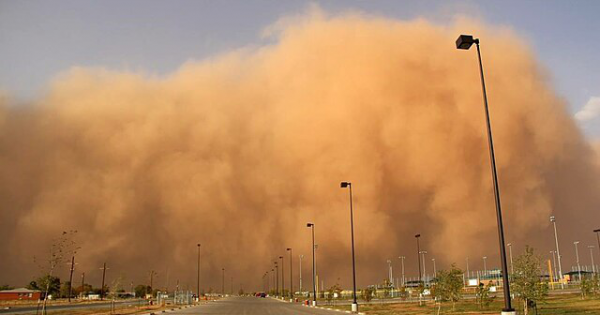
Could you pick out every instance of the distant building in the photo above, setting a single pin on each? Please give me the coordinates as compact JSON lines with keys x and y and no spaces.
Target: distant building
{"x":20,"y":294}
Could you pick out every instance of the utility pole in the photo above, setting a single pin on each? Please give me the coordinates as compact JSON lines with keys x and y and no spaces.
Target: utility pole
{"x":103,"y":278}
{"x":82,"y":284}
{"x":71,"y":277}
{"x":152,"y":273}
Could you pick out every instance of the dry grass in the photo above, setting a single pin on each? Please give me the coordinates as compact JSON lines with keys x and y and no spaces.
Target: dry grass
{"x":554,"y":305}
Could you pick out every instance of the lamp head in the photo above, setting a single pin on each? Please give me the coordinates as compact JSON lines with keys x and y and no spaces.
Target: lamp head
{"x":198,"y":245}
{"x":288,"y":248}
{"x":596,"y":230}
{"x":418,"y":235}
{"x":552,"y":218}
{"x":280,"y":257}
{"x":310,"y":224}
{"x":345,"y":184}
{"x":465,"y":42}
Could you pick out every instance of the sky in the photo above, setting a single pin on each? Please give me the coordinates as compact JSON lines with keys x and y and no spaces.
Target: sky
{"x":40,"y":39}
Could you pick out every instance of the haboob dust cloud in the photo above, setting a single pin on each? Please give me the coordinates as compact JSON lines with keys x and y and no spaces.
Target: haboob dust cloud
{"x":239,"y":151}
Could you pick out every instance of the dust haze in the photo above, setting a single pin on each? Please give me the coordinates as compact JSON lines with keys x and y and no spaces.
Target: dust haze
{"x":237,"y":152}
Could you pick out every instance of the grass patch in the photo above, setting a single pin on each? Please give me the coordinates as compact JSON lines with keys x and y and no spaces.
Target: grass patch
{"x":554,"y":305}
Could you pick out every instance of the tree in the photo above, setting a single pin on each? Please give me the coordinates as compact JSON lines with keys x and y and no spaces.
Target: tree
{"x":61,"y":247}
{"x":332,"y":291}
{"x":483,"y":295}
{"x":589,"y":287}
{"x":64,"y":289}
{"x":5,"y":287}
{"x":141,"y":290}
{"x":449,"y":285}
{"x":387,"y":288}
{"x":367,"y":294}
{"x":48,"y":284}
{"x":527,"y":280}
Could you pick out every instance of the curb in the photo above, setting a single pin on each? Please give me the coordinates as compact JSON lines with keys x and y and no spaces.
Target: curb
{"x":331,"y":309}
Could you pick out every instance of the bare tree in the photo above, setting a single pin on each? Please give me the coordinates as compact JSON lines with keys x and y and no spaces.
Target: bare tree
{"x":61,"y":249}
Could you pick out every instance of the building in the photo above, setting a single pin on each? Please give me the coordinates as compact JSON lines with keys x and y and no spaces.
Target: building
{"x":20,"y":294}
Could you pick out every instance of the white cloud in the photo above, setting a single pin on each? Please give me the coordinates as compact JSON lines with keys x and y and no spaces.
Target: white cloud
{"x":590,"y":110}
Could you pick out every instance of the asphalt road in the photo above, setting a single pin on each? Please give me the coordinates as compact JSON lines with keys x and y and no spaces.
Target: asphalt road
{"x":32,"y":309}
{"x":252,"y":305}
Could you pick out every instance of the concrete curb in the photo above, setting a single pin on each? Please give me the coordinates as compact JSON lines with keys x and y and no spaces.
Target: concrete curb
{"x":331,"y":309}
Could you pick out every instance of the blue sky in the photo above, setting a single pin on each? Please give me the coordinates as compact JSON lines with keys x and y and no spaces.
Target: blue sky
{"x":39,"y":39}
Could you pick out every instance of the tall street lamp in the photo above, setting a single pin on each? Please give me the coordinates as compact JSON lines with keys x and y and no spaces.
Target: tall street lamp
{"x":223,"y":282}
{"x":591,"y":247}
{"x":576,"y":243}
{"x":560,"y":273}
{"x":300,"y":272}
{"x":402,"y":259}
{"x":465,"y":42}
{"x":423,"y":252}
{"x":597,"y":231}
{"x":419,"y":255}
{"x":553,"y":252}
{"x":289,"y":249}
{"x":485,"y":265}
{"x":390,"y":275}
{"x":198,"y":280}
{"x":434,"y":269}
{"x":512,"y":270}
{"x":312,"y":226}
{"x":354,"y":303}
{"x":282,"y":278}
{"x":277,"y":280}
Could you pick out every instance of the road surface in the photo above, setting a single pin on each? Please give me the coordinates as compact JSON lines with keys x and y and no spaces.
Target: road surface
{"x":252,"y":306}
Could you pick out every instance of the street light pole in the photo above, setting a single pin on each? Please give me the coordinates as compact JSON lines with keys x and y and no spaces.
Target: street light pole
{"x":390,"y":275}
{"x":423,"y":252}
{"x":512,"y":270}
{"x":484,"y":265}
{"x":465,"y":42}
{"x":277,"y":280}
{"x":591,"y":247}
{"x":468,"y":268}
{"x":419,"y":255}
{"x":282,"y":278}
{"x":403,"y":280}
{"x":198,"y":280}
{"x":560,"y":273}
{"x":576,"y":243}
{"x":354,"y":303}
{"x":553,"y":252}
{"x":597,"y":231}
{"x":223,"y":283}
{"x":434,"y":269}
{"x":291,"y":274}
{"x":300,"y":271}
{"x":312,"y":226}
